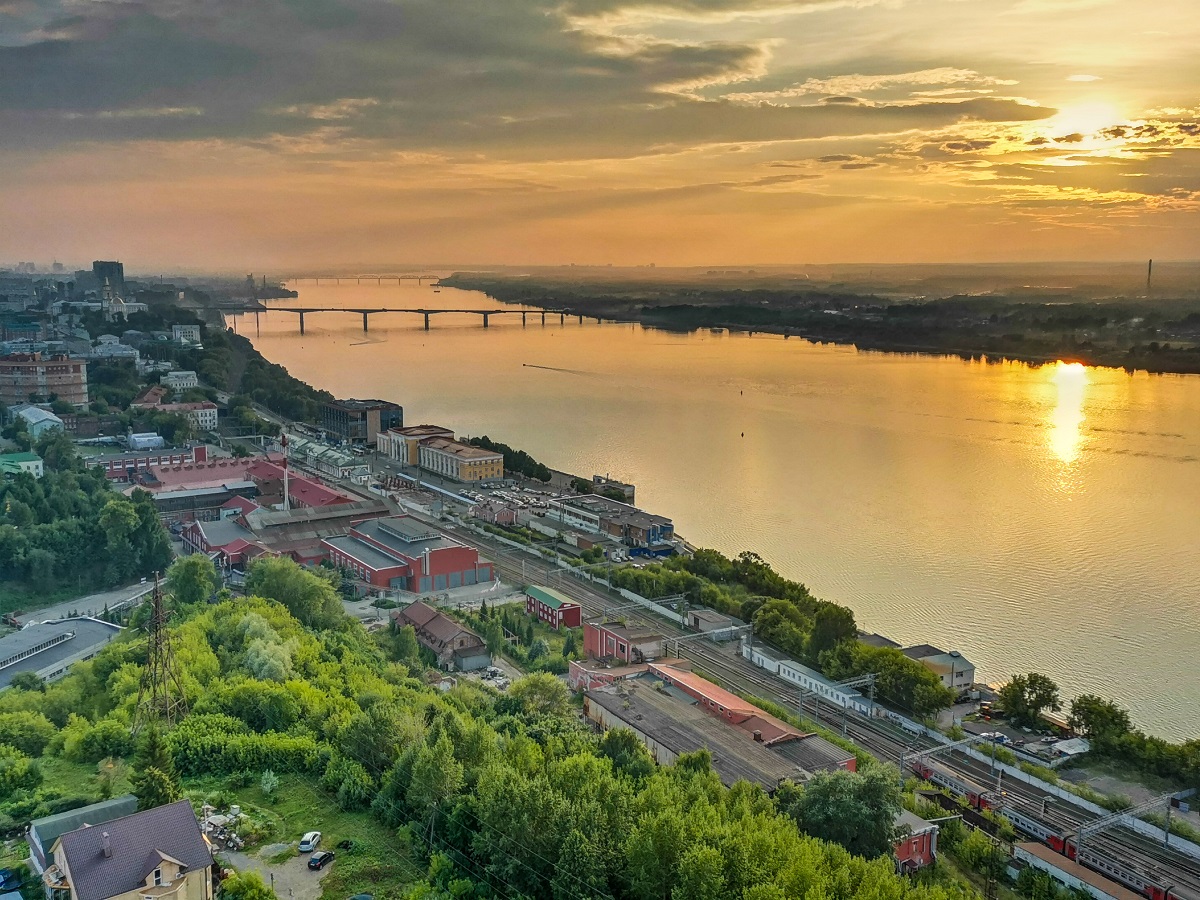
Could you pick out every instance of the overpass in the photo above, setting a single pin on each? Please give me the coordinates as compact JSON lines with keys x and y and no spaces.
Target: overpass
{"x":367,"y":312}
{"x":359,"y":279}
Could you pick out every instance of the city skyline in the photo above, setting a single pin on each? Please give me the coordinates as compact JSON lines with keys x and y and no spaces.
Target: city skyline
{"x":679,"y":132}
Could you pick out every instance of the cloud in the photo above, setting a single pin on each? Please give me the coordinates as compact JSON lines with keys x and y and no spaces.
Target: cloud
{"x":966,"y":146}
{"x":864,"y":84}
{"x":1083,"y":78}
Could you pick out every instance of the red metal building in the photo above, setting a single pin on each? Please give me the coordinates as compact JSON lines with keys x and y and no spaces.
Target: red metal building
{"x":917,"y":848}
{"x":611,"y":640}
{"x":402,"y":553}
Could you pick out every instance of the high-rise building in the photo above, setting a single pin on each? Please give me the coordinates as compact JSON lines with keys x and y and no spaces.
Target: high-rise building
{"x":360,"y":421}
{"x":27,"y":375}
{"x":113,"y":271}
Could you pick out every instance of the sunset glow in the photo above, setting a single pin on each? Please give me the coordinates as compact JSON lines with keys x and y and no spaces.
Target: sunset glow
{"x":281,"y":136}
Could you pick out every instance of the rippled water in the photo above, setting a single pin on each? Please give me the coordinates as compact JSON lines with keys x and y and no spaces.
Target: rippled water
{"x":1037,"y":519}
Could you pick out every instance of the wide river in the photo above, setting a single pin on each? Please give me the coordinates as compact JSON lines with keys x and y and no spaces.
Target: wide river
{"x":1037,"y":519}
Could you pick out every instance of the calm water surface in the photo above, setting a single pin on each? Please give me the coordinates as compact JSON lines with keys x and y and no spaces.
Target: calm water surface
{"x":1037,"y":519}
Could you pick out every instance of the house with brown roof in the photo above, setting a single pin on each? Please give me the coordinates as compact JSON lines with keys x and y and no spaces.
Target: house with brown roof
{"x":455,"y":645}
{"x":157,"y":854}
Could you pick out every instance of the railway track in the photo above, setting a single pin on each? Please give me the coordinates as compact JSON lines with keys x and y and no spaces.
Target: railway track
{"x":882,"y":740}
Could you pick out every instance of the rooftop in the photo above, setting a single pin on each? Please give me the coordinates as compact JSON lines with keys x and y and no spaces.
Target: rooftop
{"x":550,"y":597}
{"x":365,"y":553}
{"x":26,"y":456}
{"x":363,"y":404}
{"x":672,"y":720}
{"x":1084,"y":874}
{"x":812,"y":753}
{"x":921,"y":651}
{"x":876,"y":640}
{"x":137,"y":843}
{"x":461,"y":450}
{"x":631,"y":634}
{"x":40,"y":647}
{"x":50,"y":827}
{"x":421,"y":430}
{"x":33,"y":415}
{"x":383,"y":531}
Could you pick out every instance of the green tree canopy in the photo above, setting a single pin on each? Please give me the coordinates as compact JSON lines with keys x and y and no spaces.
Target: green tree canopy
{"x":855,"y":810}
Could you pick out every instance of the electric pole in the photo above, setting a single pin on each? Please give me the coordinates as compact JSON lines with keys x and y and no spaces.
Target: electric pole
{"x":160,"y":696}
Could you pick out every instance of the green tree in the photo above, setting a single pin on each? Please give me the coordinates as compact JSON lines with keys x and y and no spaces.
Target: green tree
{"x":307,"y":596}
{"x":192,"y":579}
{"x":28,"y":681}
{"x":701,"y":875}
{"x":269,"y":783}
{"x":855,"y":810}
{"x":1095,"y":718}
{"x":628,"y":754}
{"x":407,"y":648}
{"x":1025,"y":697}
{"x":436,"y":776}
{"x":17,"y":772}
{"x":154,"y":780}
{"x":540,"y":694}
{"x":246,"y":885}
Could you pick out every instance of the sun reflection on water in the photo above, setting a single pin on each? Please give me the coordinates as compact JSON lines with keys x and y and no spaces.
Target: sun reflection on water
{"x":1066,"y":420}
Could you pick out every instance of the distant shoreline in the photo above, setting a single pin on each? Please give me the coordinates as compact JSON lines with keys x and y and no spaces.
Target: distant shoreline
{"x":843,"y":325}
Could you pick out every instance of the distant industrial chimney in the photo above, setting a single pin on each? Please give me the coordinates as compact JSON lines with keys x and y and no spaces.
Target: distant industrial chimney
{"x":1149,"y":272}
{"x":106,"y":844}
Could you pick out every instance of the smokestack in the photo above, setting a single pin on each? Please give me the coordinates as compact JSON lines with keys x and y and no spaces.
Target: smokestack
{"x":106,"y":844}
{"x":1149,"y":272}
{"x":758,"y":737}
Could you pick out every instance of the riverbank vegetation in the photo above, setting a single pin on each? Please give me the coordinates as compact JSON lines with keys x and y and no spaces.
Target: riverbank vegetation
{"x":1159,"y":335}
{"x":818,"y":633}
{"x":517,"y":461}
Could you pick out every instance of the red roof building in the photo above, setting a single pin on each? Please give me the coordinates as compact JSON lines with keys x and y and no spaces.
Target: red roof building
{"x":403,"y":553}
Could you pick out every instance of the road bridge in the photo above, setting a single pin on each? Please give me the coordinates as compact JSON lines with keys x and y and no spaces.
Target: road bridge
{"x":367,"y":312}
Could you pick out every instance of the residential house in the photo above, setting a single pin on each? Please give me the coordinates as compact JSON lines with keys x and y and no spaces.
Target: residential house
{"x":953,"y":669}
{"x":159,"y":853}
{"x":456,"y":646}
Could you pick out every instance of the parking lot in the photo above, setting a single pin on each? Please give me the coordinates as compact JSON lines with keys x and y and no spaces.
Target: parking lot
{"x":291,"y":879}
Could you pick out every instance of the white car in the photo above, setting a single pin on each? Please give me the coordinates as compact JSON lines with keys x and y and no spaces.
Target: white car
{"x":309,"y":842}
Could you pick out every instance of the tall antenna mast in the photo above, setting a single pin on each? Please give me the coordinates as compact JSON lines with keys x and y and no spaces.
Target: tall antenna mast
{"x":287,"y":495}
{"x":160,"y":697}
{"x":1149,"y":272}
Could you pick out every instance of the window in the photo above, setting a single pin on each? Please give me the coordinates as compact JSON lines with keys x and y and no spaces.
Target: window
{"x":158,"y":879}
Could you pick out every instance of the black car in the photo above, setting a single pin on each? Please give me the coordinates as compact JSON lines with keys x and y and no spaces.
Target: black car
{"x":320,"y":860}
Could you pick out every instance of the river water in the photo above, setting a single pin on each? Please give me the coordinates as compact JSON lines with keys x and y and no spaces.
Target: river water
{"x":1037,"y":519}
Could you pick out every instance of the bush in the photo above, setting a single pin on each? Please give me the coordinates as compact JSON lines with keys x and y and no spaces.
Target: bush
{"x":269,"y":783}
{"x":29,"y":732}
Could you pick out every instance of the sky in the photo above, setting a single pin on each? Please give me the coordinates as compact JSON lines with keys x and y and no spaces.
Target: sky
{"x":292,"y":136}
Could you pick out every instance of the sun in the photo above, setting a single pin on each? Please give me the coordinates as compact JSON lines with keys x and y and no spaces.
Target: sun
{"x":1084,"y":118}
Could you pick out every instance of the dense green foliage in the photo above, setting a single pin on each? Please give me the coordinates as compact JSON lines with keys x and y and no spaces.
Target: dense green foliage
{"x":852,"y":809}
{"x":503,"y":794}
{"x":517,"y":461}
{"x":230,"y":362}
{"x":1112,"y":735}
{"x":1026,"y":697}
{"x":69,"y":528}
{"x":819,"y":634}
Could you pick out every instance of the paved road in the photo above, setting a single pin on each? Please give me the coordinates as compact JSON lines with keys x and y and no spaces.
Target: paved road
{"x":91,"y":605}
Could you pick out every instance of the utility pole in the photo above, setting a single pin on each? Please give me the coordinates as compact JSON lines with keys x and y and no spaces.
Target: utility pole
{"x":160,"y":678}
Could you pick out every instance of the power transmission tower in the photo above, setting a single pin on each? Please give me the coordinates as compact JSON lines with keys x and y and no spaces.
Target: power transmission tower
{"x":160,"y":697}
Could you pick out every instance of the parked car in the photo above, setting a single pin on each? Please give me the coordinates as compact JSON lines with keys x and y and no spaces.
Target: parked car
{"x":320,"y":859}
{"x":309,"y":842}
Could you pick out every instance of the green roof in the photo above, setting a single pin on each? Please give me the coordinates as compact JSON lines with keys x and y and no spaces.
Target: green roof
{"x":27,"y":456}
{"x":549,"y":596}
